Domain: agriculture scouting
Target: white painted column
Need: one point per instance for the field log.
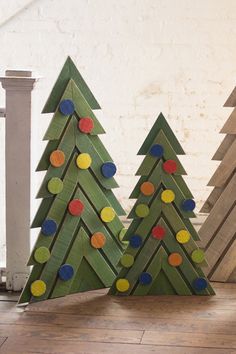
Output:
(18, 86)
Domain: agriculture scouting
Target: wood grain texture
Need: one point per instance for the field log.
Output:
(212, 199)
(227, 265)
(230, 125)
(231, 101)
(94, 322)
(69, 71)
(224, 147)
(225, 169)
(218, 213)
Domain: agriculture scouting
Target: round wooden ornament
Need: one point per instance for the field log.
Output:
(158, 232)
(108, 169)
(57, 158)
(76, 207)
(107, 214)
(127, 260)
(55, 185)
(66, 272)
(66, 107)
(170, 166)
(142, 210)
(157, 150)
(200, 284)
(145, 278)
(147, 188)
(188, 205)
(183, 236)
(122, 285)
(135, 241)
(175, 259)
(42, 254)
(49, 227)
(83, 161)
(198, 256)
(38, 288)
(98, 240)
(168, 196)
(86, 125)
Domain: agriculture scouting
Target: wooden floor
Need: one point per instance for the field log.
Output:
(97, 323)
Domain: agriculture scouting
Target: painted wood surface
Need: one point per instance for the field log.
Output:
(161, 263)
(72, 263)
(218, 231)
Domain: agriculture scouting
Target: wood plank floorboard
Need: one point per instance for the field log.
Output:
(94, 322)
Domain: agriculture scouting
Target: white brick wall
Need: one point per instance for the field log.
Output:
(139, 58)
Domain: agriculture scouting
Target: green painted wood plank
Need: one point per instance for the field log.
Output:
(178, 179)
(175, 277)
(82, 109)
(84, 144)
(154, 269)
(114, 202)
(162, 285)
(67, 145)
(188, 268)
(112, 248)
(74, 258)
(99, 265)
(100, 148)
(63, 242)
(149, 161)
(141, 260)
(98, 199)
(85, 279)
(26, 296)
(158, 177)
(58, 207)
(42, 212)
(140, 227)
(69, 71)
(44, 162)
(161, 124)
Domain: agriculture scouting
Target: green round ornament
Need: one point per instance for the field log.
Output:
(42, 255)
(198, 256)
(55, 185)
(127, 260)
(142, 210)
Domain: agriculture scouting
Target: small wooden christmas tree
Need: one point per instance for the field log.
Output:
(78, 247)
(218, 231)
(162, 256)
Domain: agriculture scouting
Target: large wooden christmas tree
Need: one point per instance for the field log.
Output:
(78, 247)
(218, 231)
(162, 256)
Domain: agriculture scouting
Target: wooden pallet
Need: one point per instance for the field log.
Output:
(218, 231)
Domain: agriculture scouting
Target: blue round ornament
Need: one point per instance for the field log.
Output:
(135, 241)
(145, 278)
(200, 284)
(108, 169)
(66, 272)
(157, 150)
(188, 205)
(66, 107)
(49, 227)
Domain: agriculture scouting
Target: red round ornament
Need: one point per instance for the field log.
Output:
(158, 232)
(76, 207)
(170, 166)
(85, 125)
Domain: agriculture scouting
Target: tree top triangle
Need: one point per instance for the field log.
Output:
(69, 71)
(161, 124)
